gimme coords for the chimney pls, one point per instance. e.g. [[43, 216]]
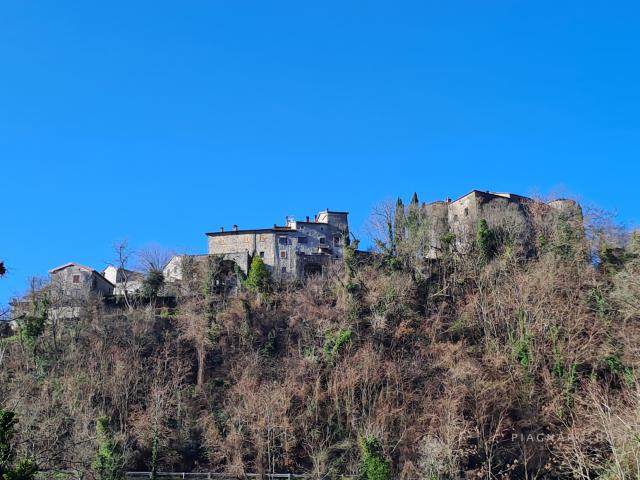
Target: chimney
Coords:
[[448, 199], [222, 229], [307, 218], [235, 228]]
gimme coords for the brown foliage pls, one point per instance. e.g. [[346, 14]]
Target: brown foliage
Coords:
[[490, 370]]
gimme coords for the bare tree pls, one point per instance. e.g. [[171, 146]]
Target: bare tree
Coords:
[[380, 226], [123, 258], [153, 257]]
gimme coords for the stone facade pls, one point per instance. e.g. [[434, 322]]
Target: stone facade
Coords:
[[77, 281], [72, 285], [294, 250], [506, 211]]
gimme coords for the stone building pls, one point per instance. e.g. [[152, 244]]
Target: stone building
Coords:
[[294, 250], [73, 280], [508, 212], [124, 280], [72, 285]]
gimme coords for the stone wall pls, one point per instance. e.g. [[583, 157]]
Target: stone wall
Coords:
[[76, 282], [288, 252], [506, 214]]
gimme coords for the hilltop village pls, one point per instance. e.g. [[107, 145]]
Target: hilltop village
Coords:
[[300, 249], [473, 325]]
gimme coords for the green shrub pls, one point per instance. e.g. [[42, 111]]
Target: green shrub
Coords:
[[616, 367], [521, 345], [374, 465], [557, 367], [25, 469], [485, 240], [334, 342], [32, 326], [108, 462]]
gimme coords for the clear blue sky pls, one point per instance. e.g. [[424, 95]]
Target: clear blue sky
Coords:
[[159, 121]]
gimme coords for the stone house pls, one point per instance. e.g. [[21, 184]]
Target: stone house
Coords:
[[294, 250], [73, 280], [72, 285]]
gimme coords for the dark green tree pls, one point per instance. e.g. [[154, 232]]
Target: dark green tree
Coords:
[[153, 283], [413, 214], [485, 240], [32, 325], [399, 222], [24, 469], [258, 278]]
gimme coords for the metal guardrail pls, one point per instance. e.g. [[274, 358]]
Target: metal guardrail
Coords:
[[225, 476], [67, 474], [212, 475]]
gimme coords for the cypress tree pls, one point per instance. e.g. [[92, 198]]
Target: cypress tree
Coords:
[[398, 226], [258, 278], [412, 218]]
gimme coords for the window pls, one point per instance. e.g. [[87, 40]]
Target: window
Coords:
[[302, 240], [282, 240], [466, 212], [283, 254], [76, 279], [336, 240], [261, 254], [322, 240], [284, 269]]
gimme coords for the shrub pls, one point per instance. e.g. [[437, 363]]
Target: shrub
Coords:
[[374, 465], [107, 464], [485, 240], [334, 343]]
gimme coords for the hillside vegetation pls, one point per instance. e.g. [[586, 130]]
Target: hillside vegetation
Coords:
[[498, 363]]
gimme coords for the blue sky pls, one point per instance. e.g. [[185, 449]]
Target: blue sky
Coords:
[[159, 121]]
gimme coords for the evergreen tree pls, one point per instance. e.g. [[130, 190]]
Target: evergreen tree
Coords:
[[258, 278], [398, 226], [24, 469], [153, 283], [413, 215]]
